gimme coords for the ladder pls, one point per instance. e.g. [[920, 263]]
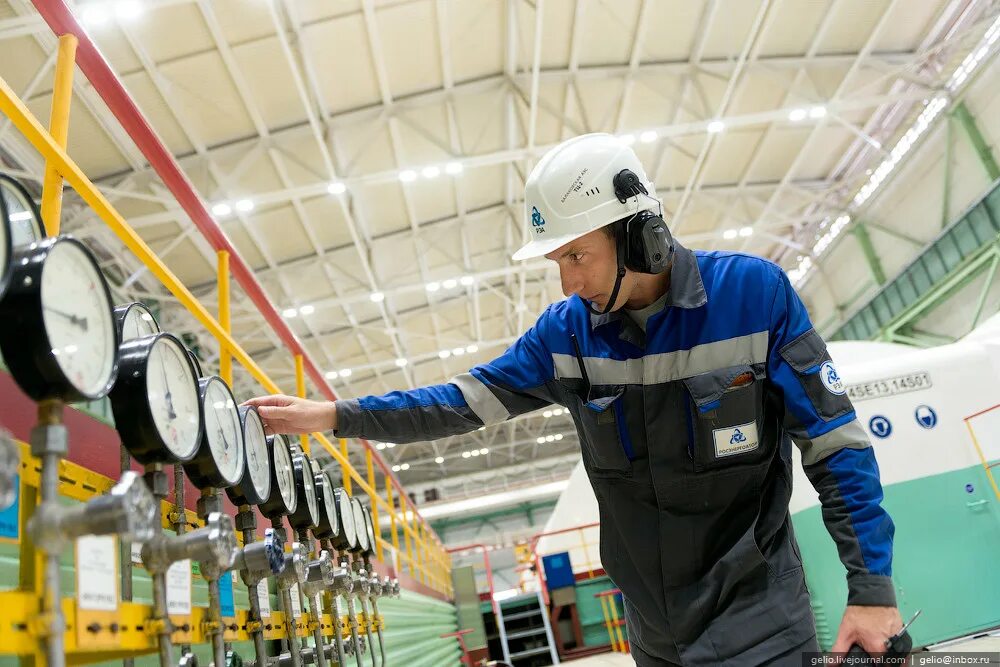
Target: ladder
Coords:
[[525, 633]]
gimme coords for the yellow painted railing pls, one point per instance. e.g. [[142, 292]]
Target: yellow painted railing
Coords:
[[424, 557]]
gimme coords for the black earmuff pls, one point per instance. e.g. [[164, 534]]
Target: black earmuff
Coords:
[[648, 244]]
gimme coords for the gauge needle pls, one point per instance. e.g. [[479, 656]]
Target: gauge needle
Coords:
[[166, 393], [73, 319]]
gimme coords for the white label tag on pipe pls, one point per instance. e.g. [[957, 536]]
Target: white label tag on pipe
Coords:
[[296, 603], [265, 599], [137, 553], [179, 588], [97, 572]]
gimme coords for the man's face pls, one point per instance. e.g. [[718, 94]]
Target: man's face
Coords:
[[588, 267]]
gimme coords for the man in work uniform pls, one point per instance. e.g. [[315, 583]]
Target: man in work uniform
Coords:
[[689, 375]]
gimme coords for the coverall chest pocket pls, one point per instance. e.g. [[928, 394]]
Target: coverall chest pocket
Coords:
[[725, 414], [599, 422]]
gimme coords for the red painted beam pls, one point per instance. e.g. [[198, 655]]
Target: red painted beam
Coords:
[[60, 19]]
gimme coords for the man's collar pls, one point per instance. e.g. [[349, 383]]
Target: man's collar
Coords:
[[686, 287]]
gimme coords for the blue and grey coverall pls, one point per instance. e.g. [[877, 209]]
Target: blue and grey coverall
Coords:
[[686, 433]]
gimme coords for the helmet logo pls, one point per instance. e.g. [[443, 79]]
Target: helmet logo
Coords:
[[537, 221]]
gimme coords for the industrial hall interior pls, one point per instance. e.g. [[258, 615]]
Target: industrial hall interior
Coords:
[[499, 333]]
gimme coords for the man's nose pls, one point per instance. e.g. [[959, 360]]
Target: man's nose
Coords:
[[571, 283]]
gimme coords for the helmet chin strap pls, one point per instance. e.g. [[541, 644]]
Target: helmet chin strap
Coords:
[[620, 255]]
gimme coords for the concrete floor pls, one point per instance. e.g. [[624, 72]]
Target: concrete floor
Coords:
[[988, 643]]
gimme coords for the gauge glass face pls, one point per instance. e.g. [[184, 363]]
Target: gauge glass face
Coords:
[[310, 489], [138, 322], [172, 392], [223, 431], [359, 523], [331, 510], [22, 224], [283, 471], [258, 461], [347, 518], [78, 318], [370, 524]]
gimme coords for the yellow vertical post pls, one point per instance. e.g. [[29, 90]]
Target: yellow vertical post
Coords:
[[300, 390], [374, 504], [225, 358], [406, 533], [62, 98], [616, 624], [586, 554], [347, 473], [607, 624], [422, 553], [392, 513]]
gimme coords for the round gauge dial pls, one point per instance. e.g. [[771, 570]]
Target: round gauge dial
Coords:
[[135, 321], [306, 515], [370, 526], [195, 363], [359, 522], [348, 536], [282, 500], [7, 226], [155, 400], [220, 456], [59, 337], [25, 222], [328, 525], [255, 486]]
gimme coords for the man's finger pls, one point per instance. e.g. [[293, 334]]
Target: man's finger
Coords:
[[278, 400]]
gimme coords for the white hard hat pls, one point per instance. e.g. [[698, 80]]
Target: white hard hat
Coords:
[[570, 192]]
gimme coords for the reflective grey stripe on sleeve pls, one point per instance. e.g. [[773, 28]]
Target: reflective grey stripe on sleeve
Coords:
[[483, 402], [667, 366], [816, 449]]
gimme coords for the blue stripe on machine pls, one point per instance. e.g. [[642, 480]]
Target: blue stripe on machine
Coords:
[[856, 472]]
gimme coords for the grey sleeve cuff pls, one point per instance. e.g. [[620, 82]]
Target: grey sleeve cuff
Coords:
[[349, 419], [870, 590]]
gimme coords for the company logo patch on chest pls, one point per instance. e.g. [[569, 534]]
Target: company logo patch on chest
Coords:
[[735, 440]]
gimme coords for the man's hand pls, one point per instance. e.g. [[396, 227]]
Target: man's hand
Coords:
[[870, 627], [293, 415]]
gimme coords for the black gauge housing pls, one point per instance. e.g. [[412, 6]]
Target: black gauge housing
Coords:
[[244, 492], [202, 469], [328, 525], [194, 362], [274, 507], [345, 538], [370, 528], [122, 312], [13, 185], [130, 404], [359, 526], [303, 518], [7, 246], [23, 337]]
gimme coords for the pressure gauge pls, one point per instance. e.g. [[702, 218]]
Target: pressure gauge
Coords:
[[155, 400], [58, 335], [306, 515], [328, 526], [282, 500], [135, 321], [359, 524], [219, 459], [348, 537], [25, 222], [255, 486], [195, 362], [370, 527]]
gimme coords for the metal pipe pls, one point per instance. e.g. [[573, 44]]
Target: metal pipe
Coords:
[[338, 640], [257, 636], [368, 629], [381, 642], [215, 621], [125, 551], [315, 609], [293, 639], [353, 623], [160, 613]]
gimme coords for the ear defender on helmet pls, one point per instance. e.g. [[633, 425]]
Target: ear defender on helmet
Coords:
[[649, 246]]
